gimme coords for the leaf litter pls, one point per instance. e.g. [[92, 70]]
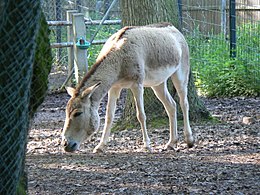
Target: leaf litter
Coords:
[[224, 160]]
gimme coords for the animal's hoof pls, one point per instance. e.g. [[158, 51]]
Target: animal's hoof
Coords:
[[98, 150], [190, 142], [190, 145], [146, 149], [170, 146]]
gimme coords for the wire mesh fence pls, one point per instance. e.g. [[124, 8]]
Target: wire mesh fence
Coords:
[[204, 23], [206, 26], [55, 10], [211, 28], [19, 21]]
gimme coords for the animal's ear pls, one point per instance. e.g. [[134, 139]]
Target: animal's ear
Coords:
[[71, 91], [89, 91]]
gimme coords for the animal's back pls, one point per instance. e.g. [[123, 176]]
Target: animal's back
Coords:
[[153, 52], [159, 49], [157, 41]]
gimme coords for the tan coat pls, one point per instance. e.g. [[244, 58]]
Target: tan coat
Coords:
[[134, 57]]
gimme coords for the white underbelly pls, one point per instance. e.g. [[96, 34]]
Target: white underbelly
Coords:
[[156, 77], [152, 77]]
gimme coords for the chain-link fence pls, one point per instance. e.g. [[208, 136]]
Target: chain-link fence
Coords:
[[19, 22], [215, 30], [206, 24], [224, 42], [93, 11]]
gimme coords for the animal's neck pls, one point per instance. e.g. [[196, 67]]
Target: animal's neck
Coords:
[[106, 74]]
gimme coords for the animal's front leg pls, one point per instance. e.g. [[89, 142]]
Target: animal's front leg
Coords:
[[138, 92], [113, 94]]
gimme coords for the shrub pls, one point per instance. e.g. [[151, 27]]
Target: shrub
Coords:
[[219, 75]]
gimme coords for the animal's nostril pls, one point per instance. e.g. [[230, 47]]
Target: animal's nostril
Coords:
[[74, 145]]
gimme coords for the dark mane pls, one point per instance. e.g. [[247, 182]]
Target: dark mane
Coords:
[[114, 38], [159, 25]]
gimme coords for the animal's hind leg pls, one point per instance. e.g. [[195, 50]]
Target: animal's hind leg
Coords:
[[169, 104], [180, 81]]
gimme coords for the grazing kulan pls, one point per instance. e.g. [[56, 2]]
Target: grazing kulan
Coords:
[[134, 58]]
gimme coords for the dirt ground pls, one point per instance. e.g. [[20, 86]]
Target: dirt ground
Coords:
[[225, 159]]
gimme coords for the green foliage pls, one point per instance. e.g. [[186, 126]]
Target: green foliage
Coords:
[[218, 75], [41, 66], [22, 185], [104, 33], [93, 52]]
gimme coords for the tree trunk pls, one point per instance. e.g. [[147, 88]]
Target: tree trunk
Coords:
[[136, 13]]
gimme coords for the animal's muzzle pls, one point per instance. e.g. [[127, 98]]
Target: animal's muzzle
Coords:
[[70, 146]]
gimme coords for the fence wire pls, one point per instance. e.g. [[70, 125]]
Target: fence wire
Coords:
[[205, 24], [55, 10], [19, 24]]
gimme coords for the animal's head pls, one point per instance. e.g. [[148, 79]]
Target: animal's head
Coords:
[[82, 119]]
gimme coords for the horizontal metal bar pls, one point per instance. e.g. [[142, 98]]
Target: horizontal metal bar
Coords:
[[191, 9], [106, 22], [87, 22], [61, 45], [59, 23], [99, 42], [70, 44]]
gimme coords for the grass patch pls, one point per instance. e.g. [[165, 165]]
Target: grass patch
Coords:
[[219, 75]]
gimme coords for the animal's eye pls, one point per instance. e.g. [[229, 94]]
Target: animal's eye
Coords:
[[77, 114]]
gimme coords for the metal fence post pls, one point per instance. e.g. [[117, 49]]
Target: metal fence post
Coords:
[[180, 14], [78, 5], [80, 55], [232, 27], [102, 21], [58, 29], [223, 17]]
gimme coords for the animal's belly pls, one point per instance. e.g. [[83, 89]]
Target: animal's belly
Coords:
[[156, 77]]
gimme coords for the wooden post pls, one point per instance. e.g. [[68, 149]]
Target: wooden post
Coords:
[[80, 55], [70, 39]]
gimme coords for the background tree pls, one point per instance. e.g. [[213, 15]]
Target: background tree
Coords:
[[136, 13]]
